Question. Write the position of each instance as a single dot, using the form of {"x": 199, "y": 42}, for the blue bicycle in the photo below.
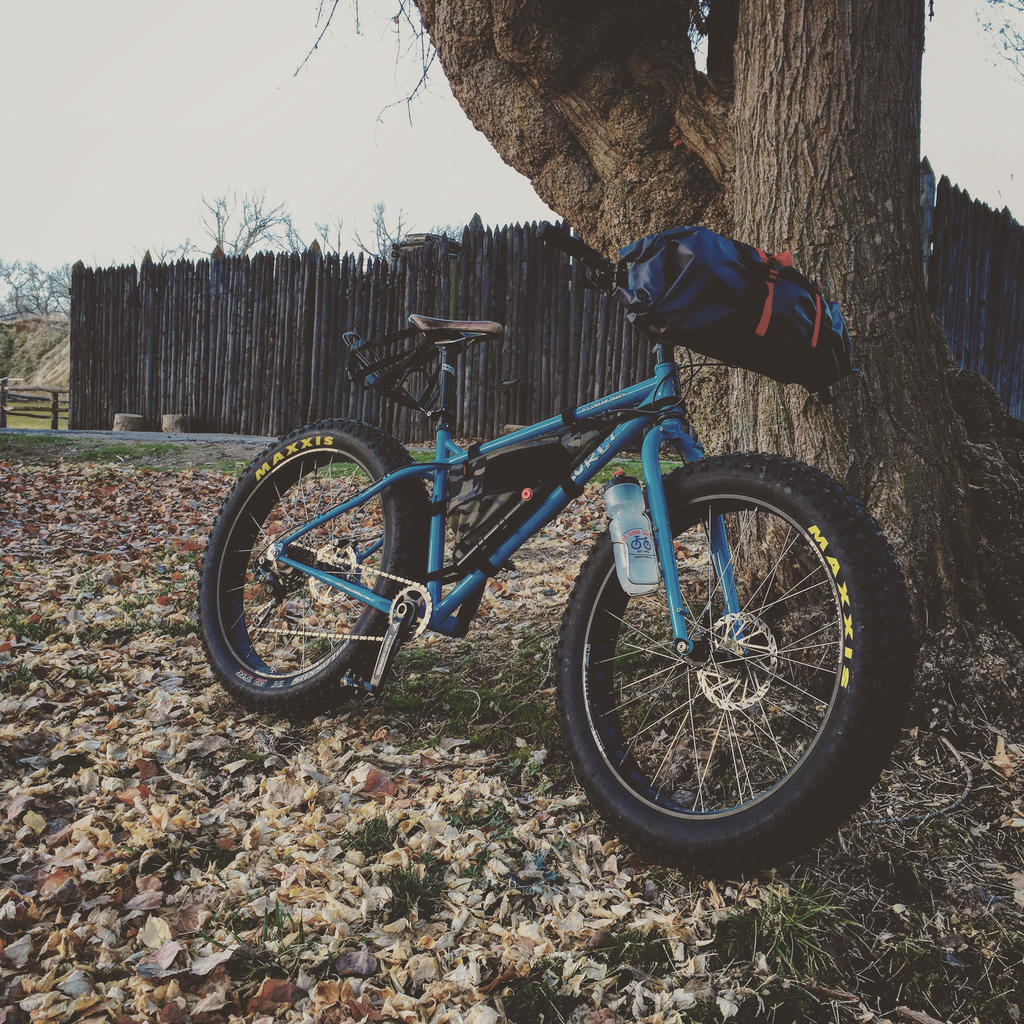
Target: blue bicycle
{"x": 734, "y": 659}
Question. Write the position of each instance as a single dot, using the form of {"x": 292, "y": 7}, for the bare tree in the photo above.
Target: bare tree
{"x": 385, "y": 236}
{"x": 172, "y": 253}
{"x": 1008, "y": 27}
{"x": 328, "y": 234}
{"x": 27, "y": 288}
{"x": 237, "y": 226}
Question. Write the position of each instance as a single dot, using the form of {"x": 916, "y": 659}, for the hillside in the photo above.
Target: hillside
{"x": 36, "y": 349}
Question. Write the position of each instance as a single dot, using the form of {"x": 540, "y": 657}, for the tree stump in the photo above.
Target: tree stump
{"x": 129, "y": 421}
{"x": 174, "y": 423}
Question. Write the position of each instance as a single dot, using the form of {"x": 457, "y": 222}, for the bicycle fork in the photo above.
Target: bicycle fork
{"x": 672, "y": 431}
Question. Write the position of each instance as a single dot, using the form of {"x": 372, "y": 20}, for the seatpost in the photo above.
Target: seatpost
{"x": 446, "y": 392}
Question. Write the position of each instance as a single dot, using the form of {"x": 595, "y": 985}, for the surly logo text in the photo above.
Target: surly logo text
{"x": 320, "y": 441}
{"x": 593, "y": 457}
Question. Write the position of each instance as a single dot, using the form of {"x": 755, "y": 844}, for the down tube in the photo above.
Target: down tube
{"x": 619, "y": 438}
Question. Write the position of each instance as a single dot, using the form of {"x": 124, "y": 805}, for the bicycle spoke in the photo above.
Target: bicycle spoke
{"x": 742, "y": 722}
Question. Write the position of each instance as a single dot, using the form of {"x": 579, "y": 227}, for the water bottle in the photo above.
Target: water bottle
{"x": 632, "y": 539}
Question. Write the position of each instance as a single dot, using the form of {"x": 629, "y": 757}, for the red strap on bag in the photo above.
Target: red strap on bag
{"x": 817, "y": 315}
{"x": 775, "y": 263}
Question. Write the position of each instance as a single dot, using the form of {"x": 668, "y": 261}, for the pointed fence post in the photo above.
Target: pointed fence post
{"x": 927, "y": 212}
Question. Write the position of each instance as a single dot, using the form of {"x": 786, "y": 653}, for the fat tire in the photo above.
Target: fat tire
{"x": 861, "y": 729}
{"x": 404, "y": 506}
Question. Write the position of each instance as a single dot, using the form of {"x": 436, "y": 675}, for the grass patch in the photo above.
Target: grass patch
{"x": 373, "y": 838}
{"x": 649, "y": 951}
{"x": 178, "y": 854}
{"x": 483, "y": 692}
{"x": 271, "y": 945}
{"x": 418, "y": 889}
{"x": 46, "y": 451}
{"x": 16, "y": 680}
{"x": 28, "y": 627}
{"x": 535, "y": 998}
{"x": 23, "y": 421}
{"x": 798, "y": 927}
{"x": 127, "y": 627}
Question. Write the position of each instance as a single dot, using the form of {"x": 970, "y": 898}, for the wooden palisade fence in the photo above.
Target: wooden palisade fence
{"x": 253, "y": 345}
{"x": 32, "y": 401}
{"x": 975, "y": 271}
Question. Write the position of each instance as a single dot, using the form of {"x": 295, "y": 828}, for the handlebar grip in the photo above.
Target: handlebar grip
{"x": 575, "y": 247}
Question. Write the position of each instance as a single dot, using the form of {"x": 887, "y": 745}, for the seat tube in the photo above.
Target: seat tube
{"x": 663, "y": 541}
{"x": 439, "y": 491}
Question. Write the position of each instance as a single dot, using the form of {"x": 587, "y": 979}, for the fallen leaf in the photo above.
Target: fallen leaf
{"x": 205, "y": 964}
{"x": 360, "y": 1011}
{"x": 146, "y": 900}
{"x": 326, "y": 993}
{"x": 36, "y": 822}
{"x": 18, "y": 952}
{"x": 160, "y": 959}
{"x": 379, "y": 784}
{"x": 359, "y": 964}
{"x": 155, "y": 932}
{"x": 1000, "y": 759}
{"x": 189, "y": 920}
{"x": 1017, "y": 881}
{"x": 273, "y": 992}
{"x": 171, "y": 1013}
{"x": 727, "y": 1006}
{"x": 214, "y": 995}
{"x": 76, "y": 984}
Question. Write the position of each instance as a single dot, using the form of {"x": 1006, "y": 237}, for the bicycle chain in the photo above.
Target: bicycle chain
{"x": 323, "y": 635}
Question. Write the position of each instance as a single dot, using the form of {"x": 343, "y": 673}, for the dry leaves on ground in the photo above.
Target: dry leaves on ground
{"x": 168, "y": 857}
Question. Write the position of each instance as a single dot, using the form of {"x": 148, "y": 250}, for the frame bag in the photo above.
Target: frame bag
{"x": 731, "y": 301}
{"x": 491, "y": 495}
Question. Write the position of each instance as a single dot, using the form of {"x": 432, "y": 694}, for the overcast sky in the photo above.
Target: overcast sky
{"x": 119, "y": 114}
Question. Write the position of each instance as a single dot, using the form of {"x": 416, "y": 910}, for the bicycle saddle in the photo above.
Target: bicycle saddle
{"x": 479, "y": 328}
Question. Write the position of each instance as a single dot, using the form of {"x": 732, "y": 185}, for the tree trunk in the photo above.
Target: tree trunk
{"x": 599, "y": 105}
{"x": 803, "y": 136}
{"x": 827, "y": 165}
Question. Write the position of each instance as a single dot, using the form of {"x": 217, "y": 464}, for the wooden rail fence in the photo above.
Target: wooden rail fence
{"x": 252, "y": 345}
{"x": 32, "y": 402}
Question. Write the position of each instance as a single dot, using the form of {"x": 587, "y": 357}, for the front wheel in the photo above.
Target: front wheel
{"x": 774, "y": 731}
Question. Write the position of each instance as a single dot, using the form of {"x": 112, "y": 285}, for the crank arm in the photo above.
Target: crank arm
{"x": 397, "y": 630}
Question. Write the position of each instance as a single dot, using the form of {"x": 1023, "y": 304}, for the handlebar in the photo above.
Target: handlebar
{"x": 601, "y": 270}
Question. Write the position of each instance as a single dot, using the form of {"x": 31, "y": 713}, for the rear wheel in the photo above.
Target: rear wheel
{"x": 276, "y": 637}
{"x": 775, "y": 729}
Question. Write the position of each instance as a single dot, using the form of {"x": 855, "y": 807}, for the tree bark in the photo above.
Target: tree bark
{"x": 598, "y": 104}
{"x": 828, "y": 166}
{"x": 803, "y": 136}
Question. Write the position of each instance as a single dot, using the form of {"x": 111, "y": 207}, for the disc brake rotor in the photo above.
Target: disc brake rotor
{"x": 338, "y": 559}
{"x": 743, "y": 661}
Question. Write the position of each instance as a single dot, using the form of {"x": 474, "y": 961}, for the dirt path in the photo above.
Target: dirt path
{"x": 148, "y": 448}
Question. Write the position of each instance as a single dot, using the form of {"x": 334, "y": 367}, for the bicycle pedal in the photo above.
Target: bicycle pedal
{"x": 356, "y": 682}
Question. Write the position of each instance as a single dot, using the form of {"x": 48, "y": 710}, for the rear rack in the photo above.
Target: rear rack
{"x": 390, "y": 374}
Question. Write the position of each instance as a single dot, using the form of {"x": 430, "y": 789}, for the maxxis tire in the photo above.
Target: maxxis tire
{"x": 861, "y": 727}
{"x": 404, "y": 507}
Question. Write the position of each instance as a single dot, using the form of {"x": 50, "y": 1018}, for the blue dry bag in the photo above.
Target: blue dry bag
{"x": 689, "y": 286}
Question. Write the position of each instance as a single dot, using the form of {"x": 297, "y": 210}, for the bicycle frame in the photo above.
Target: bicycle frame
{"x": 648, "y": 398}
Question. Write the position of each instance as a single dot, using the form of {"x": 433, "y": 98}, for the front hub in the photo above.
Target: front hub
{"x": 741, "y": 662}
